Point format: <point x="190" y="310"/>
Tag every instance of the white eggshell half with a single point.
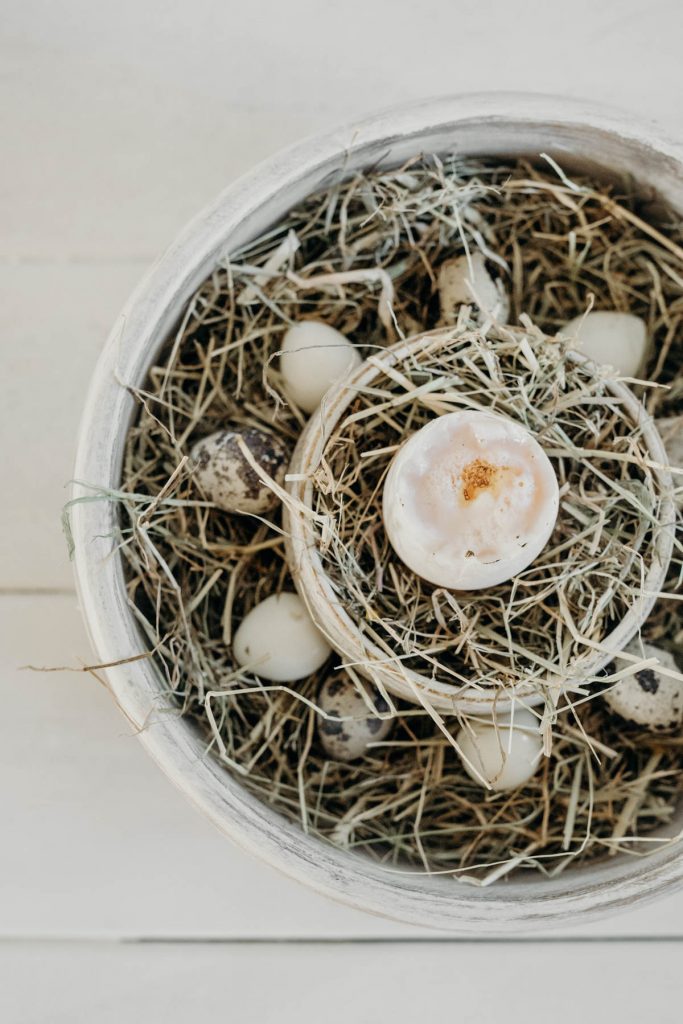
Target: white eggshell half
<point x="467" y="281"/>
<point x="225" y="476"/>
<point x="619" y="340"/>
<point x="671" y="432"/>
<point x="278" y="640"/>
<point x="313" y="357"/>
<point x="351" y="727"/>
<point x="647" y="697"/>
<point x="453" y="534"/>
<point x="506" y="755"/>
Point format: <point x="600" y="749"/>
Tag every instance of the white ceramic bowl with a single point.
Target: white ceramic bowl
<point x="579" y="135"/>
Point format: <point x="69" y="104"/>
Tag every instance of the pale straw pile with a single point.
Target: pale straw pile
<point x="363" y="256"/>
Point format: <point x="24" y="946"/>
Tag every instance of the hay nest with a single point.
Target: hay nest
<point x="363" y="255"/>
<point x="539" y="631"/>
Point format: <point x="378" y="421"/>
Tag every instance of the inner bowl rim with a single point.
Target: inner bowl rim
<point x="317" y="592"/>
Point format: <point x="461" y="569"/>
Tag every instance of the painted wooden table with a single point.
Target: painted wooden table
<point x="117" y="901"/>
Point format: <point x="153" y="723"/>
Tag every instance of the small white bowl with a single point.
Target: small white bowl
<point x="347" y="637"/>
<point x="581" y="136"/>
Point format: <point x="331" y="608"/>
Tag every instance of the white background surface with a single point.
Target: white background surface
<point x="118" y="122"/>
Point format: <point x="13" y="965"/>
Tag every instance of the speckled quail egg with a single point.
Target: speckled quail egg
<point x="464" y="281"/>
<point x="314" y="356"/>
<point x="647" y="697"/>
<point x="351" y="727"/>
<point x="671" y="432"/>
<point x="609" y="338"/>
<point x="226" y="478"/>
<point x="506" y="754"/>
<point x="278" y="640"/>
<point x="470" y="500"/>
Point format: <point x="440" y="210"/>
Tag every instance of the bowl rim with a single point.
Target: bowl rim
<point x="243" y="210"/>
<point x="318" y="593"/>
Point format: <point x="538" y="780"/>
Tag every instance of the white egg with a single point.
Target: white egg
<point x="505" y="754"/>
<point x="467" y="281"/>
<point x="314" y="356"/>
<point x="619" y="340"/>
<point x="470" y="500"/>
<point x="351" y="727"/>
<point x="647" y="697"/>
<point x="671" y="432"/>
<point x="278" y="640"/>
<point x="225" y="476"/>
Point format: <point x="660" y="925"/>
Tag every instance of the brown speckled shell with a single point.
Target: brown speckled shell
<point x="226" y="478"/>
<point x="351" y="726"/>
<point x="647" y="697"/>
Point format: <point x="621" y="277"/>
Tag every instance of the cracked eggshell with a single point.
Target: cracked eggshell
<point x="225" y="476"/>
<point x="506" y="755"/>
<point x="609" y="338"/>
<point x="468" y="282"/>
<point x="278" y="640"/>
<point x="351" y="727"/>
<point x="470" y="500"/>
<point x="314" y="356"/>
<point x="671" y="432"/>
<point x="647" y="697"/>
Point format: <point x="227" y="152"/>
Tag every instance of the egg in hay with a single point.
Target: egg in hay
<point x="647" y="696"/>
<point x="349" y="725"/>
<point x="225" y="476"/>
<point x="610" y="338"/>
<point x="465" y="280"/>
<point x="314" y="356"/>
<point x="278" y="640"/>
<point x="503" y="754"/>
